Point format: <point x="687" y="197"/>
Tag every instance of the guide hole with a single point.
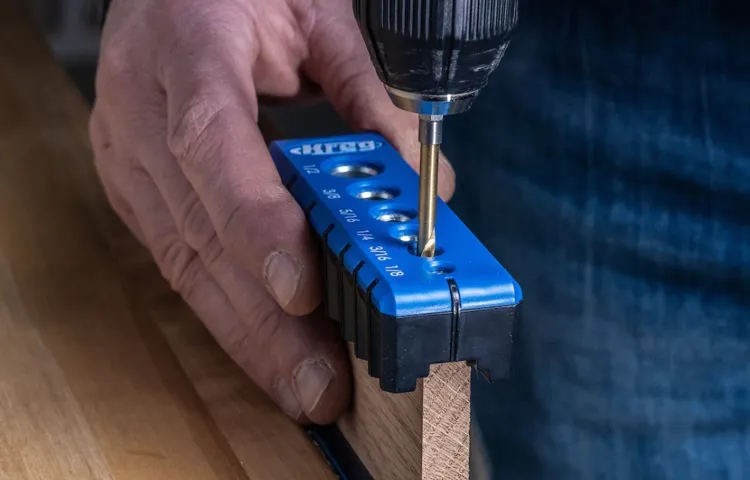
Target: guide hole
<point x="393" y="213"/>
<point x="377" y="194"/>
<point x="394" y="216"/>
<point x="355" y="170"/>
<point x="440" y="268"/>
<point x="405" y="233"/>
<point x="373" y="191"/>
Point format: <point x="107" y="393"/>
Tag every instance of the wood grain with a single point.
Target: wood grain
<point x="446" y="420"/>
<point x="421" y="435"/>
<point x="90" y="387"/>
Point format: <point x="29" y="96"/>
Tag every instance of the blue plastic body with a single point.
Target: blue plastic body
<point x="407" y="284"/>
<point x="402" y="312"/>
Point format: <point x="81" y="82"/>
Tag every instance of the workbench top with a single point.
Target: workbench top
<point x="104" y="372"/>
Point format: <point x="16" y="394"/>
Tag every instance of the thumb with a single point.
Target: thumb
<point x="340" y="64"/>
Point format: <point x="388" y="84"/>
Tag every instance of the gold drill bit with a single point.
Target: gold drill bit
<point x="430" y="137"/>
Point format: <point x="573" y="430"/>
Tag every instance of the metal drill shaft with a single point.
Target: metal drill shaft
<point x="430" y="137"/>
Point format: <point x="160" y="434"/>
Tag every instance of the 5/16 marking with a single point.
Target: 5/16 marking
<point x="349" y="215"/>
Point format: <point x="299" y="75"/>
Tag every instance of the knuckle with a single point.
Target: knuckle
<point x="195" y="225"/>
<point x="101" y="140"/>
<point x="180" y="265"/>
<point x="194" y="130"/>
<point x="211" y="251"/>
<point x="268" y="212"/>
<point x="115" y="69"/>
<point x="199" y="233"/>
<point x="261" y="330"/>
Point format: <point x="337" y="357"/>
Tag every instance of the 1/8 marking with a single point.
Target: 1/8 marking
<point x="394" y="271"/>
<point x="331" y="193"/>
<point x="382" y="255"/>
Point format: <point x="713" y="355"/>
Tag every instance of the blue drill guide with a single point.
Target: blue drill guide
<point x="402" y="312"/>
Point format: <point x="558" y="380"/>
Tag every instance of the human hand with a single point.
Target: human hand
<point x="178" y="150"/>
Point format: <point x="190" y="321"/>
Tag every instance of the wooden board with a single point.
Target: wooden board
<point x="420" y="435"/>
<point x="89" y="386"/>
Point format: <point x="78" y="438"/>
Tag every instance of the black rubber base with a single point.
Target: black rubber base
<point x="400" y="350"/>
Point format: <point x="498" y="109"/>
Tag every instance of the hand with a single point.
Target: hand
<point x="177" y="146"/>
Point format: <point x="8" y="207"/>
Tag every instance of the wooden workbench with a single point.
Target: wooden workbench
<point x="104" y="373"/>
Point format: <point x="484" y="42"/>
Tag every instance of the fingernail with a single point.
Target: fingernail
<point x="282" y="274"/>
<point x="311" y="380"/>
<point x="286" y="399"/>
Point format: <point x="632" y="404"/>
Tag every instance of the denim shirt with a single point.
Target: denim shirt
<point x="607" y="167"/>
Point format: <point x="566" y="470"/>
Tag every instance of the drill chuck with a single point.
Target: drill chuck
<point x="434" y="56"/>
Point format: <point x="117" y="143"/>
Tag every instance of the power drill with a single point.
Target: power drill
<point x="434" y="56"/>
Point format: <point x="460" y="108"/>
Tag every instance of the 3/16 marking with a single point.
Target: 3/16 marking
<point x="379" y="253"/>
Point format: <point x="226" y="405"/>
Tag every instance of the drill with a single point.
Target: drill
<point x="434" y="56"/>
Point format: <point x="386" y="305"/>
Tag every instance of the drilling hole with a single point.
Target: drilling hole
<point x="413" y="249"/>
<point x="394" y="216"/>
<point x="440" y="268"/>
<point x="373" y="191"/>
<point x="377" y="194"/>
<point x="355" y="169"/>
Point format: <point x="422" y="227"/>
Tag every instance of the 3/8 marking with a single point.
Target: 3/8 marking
<point x="331" y="193"/>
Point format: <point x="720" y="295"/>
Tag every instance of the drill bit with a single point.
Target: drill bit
<point x="430" y="137"/>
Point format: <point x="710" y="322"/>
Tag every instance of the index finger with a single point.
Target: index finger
<point x="214" y="137"/>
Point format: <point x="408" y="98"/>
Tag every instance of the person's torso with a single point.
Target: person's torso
<point x="607" y="166"/>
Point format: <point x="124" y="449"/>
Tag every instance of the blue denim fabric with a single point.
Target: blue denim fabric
<point x="608" y="167"/>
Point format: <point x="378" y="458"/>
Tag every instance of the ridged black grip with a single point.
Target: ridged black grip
<point x="436" y="46"/>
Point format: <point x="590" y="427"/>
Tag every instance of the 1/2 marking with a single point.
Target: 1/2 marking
<point x="311" y="169"/>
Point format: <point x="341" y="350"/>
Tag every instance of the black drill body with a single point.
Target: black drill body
<point x="436" y="47"/>
<point x="434" y="56"/>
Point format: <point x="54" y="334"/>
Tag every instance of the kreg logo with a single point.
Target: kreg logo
<point x="334" y="148"/>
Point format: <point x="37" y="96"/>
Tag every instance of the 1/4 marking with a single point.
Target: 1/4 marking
<point x="365" y="235"/>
